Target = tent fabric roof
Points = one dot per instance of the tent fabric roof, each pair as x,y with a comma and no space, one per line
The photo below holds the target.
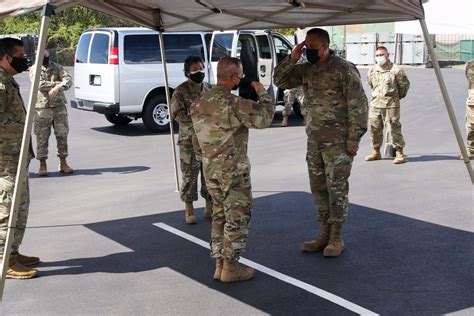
210,15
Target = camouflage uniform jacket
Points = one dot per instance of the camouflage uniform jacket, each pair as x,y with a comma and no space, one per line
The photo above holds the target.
336,101
12,123
470,79
51,76
388,85
183,96
221,121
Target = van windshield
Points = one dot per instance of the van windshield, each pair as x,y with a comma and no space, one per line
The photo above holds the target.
144,48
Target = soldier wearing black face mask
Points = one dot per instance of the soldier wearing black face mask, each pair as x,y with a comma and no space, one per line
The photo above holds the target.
12,122
337,119
190,162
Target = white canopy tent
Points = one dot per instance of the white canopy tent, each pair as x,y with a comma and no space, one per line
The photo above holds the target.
210,15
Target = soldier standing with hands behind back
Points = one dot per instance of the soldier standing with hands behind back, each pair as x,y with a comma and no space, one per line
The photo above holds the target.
337,119
389,84
51,112
222,121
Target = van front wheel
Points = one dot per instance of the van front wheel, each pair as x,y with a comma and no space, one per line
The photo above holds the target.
156,116
117,119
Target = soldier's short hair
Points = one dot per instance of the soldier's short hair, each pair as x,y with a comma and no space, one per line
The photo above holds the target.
227,66
322,34
8,46
190,61
382,48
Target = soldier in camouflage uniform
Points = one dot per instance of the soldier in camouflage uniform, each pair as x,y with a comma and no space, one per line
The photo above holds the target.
389,84
181,101
51,112
222,121
470,110
337,119
12,122
289,96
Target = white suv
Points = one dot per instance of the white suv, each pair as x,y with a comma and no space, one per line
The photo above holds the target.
118,71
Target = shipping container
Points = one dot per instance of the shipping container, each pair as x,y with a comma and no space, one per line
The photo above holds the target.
353,52
466,50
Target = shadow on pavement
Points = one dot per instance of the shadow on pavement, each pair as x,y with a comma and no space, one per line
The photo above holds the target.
133,129
392,264
92,172
424,158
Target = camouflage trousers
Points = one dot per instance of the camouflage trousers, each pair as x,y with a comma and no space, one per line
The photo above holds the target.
470,129
378,118
7,185
190,168
46,118
289,96
329,168
231,212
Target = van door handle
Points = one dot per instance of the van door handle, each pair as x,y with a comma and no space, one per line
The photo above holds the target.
263,71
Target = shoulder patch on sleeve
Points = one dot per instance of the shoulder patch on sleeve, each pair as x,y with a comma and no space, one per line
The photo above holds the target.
243,105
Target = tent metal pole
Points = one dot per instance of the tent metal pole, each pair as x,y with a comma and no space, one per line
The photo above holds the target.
447,101
22,170
168,101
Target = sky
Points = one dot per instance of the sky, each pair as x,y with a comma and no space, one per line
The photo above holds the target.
443,17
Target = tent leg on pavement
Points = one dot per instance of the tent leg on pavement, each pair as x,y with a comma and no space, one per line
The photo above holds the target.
447,100
167,93
46,14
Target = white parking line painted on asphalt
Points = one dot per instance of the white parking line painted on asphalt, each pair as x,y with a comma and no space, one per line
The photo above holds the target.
280,276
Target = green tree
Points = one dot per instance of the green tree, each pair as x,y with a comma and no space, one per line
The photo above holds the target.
65,28
289,31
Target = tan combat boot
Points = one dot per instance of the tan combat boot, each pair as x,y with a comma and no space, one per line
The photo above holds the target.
208,209
43,170
305,119
336,245
64,167
18,271
218,271
233,272
27,260
284,121
189,216
320,241
375,155
400,157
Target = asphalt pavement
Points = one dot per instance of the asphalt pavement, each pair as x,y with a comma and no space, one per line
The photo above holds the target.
112,237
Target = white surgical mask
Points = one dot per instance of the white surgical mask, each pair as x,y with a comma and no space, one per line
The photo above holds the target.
381,60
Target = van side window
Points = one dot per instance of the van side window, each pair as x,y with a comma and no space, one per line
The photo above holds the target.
144,49
222,46
83,48
282,48
100,49
264,45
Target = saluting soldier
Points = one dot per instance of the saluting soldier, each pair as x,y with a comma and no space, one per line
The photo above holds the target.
222,121
337,119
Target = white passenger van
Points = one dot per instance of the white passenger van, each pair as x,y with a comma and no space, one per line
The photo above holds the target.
118,71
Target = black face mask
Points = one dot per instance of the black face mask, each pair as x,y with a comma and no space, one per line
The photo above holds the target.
45,61
19,64
236,86
312,55
197,77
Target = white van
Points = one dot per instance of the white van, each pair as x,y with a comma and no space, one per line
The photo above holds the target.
118,71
